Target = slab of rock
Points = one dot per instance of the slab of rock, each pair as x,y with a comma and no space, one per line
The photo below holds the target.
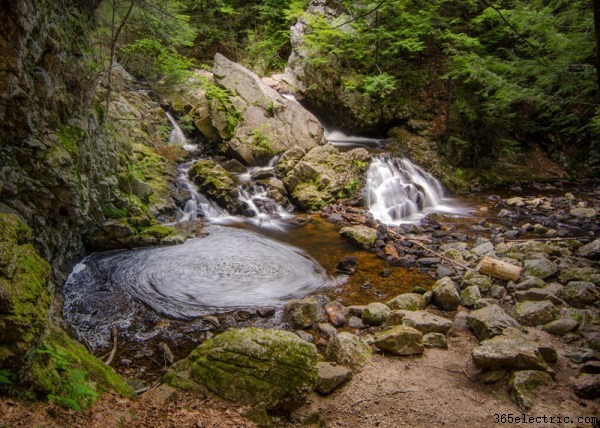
254,366
361,236
579,293
435,340
536,295
483,282
356,322
326,330
531,282
585,274
591,250
484,249
561,326
376,314
490,321
426,322
331,377
348,350
407,301
445,294
400,340
587,386
508,352
301,313
469,296
486,301
535,313
525,385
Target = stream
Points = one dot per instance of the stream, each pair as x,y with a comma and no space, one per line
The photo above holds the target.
248,262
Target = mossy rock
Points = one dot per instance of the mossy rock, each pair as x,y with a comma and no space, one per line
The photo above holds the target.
361,236
525,385
24,291
309,198
67,374
254,366
215,181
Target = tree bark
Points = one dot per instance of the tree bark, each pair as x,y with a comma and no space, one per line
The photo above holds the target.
499,269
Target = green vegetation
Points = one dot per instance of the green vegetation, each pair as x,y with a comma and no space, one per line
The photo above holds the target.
222,102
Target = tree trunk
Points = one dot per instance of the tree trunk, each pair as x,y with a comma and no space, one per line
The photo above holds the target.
596,5
499,269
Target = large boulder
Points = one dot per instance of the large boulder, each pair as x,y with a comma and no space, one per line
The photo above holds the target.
445,294
253,366
270,123
362,236
348,350
400,340
490,321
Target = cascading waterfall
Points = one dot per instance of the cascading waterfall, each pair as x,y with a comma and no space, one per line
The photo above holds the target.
198,204
399,192
177,136
340,139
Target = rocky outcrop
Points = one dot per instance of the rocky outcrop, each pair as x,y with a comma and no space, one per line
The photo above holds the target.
270,123
216,182
252,366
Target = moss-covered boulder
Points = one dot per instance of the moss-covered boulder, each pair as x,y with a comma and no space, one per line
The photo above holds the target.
67,374
400,340
25,294
253,366
407,301
215,181
361,236
348,350
525,385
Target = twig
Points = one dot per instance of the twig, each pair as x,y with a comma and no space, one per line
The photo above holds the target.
113,352
414,241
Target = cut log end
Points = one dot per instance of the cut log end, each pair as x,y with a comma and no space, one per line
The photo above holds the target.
499,269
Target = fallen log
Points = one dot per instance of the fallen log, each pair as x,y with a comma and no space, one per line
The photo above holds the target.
499,269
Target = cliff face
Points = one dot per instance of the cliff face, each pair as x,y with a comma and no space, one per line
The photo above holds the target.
73,177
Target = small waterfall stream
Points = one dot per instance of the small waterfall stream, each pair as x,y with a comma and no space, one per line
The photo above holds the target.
399,191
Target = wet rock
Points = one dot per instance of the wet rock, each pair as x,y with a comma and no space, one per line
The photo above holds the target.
469,296
508,352
347,265
337,313
400,340
579,294
560,327
582,355
216,182
326,330
535,313
591,250
445,294
253,366
435,340
407,301
348,350
490,321
376,313
362,236
540,268
266,311
301,313
426,322
525,385
587,386
330,377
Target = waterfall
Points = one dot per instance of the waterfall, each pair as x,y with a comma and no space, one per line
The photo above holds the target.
177,136
198,204
398,191
340,139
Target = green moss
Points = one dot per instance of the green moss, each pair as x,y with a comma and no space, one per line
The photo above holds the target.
67,374
157,231
309,197
110,211
222,101
24,291
71,137
261,139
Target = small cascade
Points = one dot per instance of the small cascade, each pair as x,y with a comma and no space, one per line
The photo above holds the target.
177,136
399,192
198,205
258,172
340,139
261,209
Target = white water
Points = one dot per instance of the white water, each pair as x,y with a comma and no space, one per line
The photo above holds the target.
198,205
340,139
399,191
